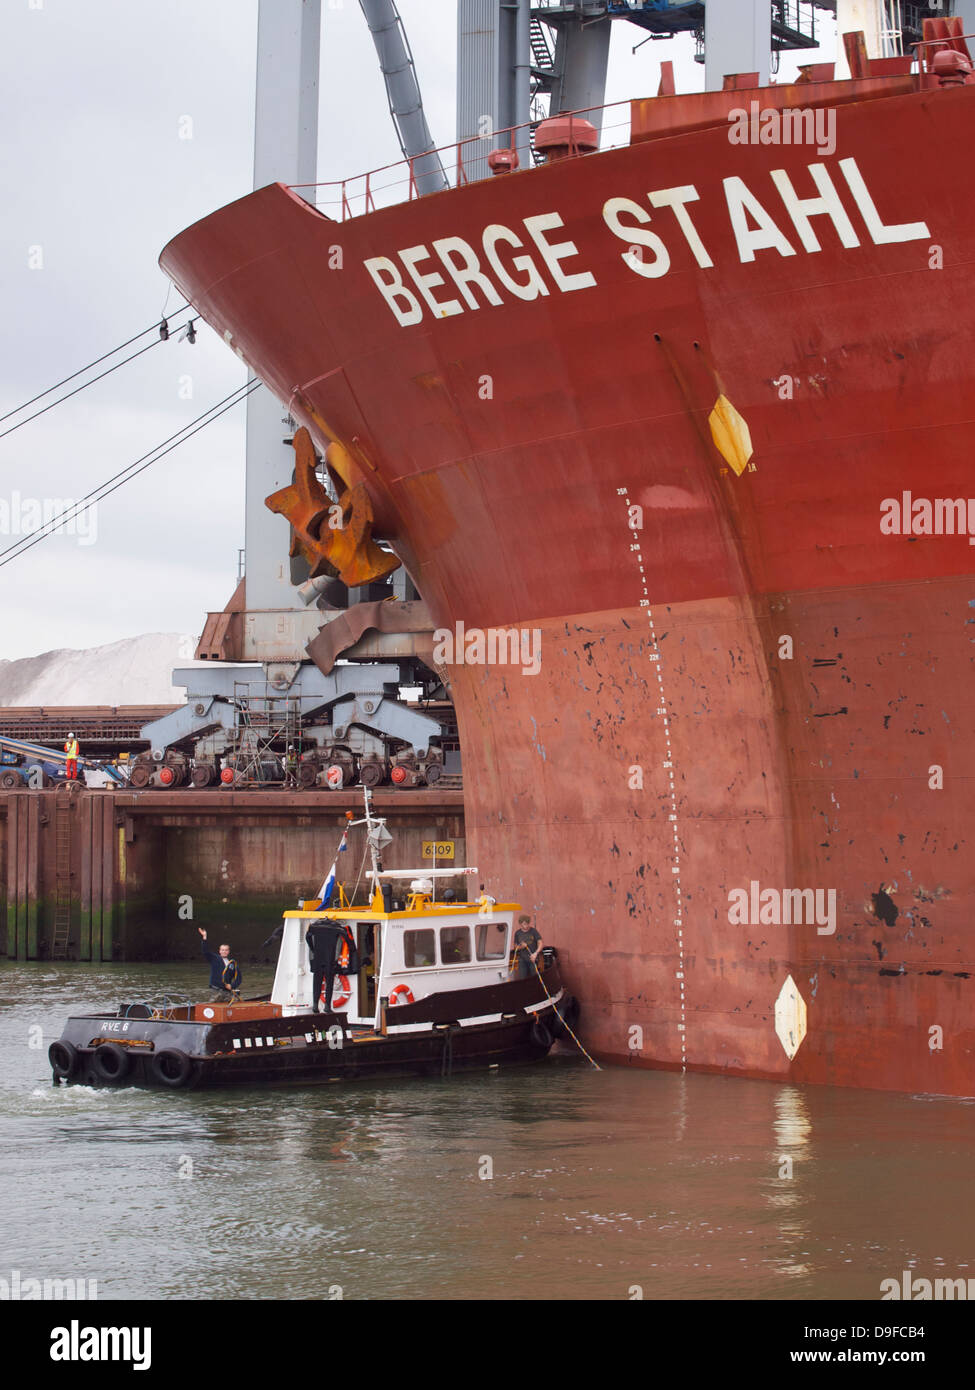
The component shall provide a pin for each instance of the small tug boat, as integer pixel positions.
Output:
(434, 993)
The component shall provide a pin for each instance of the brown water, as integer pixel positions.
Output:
(602, 1182)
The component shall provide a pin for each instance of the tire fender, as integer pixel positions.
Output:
(171, 1067)
(111, 1062)
(63, 1057)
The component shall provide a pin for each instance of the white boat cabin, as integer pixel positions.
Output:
(403, 956)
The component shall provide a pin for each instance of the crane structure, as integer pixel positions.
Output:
(264, 700)
(568, 42)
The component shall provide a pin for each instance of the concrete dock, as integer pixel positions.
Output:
(124, 875)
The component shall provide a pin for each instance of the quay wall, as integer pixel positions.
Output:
(107, 875)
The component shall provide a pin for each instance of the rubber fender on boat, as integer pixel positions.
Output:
(566, 1012)
(171, 1067)
(541, 1037)
(111, 1062)
(63, 1057)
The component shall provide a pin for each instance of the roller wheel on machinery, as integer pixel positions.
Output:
(433, 774)
(372, 774)
(203, 775)
(139, 776)
(307, 774)
(9, 781)
(168, 777)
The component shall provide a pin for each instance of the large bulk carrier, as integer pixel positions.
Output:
(684, 413)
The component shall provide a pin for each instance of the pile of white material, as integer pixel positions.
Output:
(135, 671)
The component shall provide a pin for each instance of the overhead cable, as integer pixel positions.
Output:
(125, 475)
(161, 327)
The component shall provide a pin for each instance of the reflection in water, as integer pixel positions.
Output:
(552, 1181)
(788, 1195)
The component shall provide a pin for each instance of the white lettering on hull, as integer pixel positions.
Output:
(454, 276)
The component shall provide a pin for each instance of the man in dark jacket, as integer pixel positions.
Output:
(225, 975)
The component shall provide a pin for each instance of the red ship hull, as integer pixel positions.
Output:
(756, 685)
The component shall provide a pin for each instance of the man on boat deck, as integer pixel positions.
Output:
(528, 947)
(225, 975)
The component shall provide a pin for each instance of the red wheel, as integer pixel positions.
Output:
(227, 776)
(398, 776)
(166, 776)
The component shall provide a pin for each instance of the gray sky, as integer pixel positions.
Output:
(94, 96)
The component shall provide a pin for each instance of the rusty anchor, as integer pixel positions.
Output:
(333, 538)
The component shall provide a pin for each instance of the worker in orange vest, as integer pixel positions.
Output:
(71, 748)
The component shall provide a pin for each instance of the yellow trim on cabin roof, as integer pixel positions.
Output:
(431, 910)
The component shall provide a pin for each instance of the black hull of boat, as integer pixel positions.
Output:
(185, 1053)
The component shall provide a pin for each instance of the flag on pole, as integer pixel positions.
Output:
(327, 888)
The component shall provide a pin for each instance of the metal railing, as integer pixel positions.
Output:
(464, 161)
(924, 59)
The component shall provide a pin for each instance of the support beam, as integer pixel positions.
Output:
(582, 58)
(493, 56)
(737, 38)
(285, 151)
(858, 17)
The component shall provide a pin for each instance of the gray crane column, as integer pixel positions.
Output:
(493, 61)
(737, 38)
(285, 150)
(582, 58)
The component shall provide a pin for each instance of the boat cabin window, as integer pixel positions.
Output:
(419, 948)
(491, 940)
(455, 945)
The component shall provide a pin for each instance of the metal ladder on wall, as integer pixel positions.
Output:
(263, 727)
(62, 869)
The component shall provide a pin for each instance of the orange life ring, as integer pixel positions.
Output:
(405, 990)
(341, 991)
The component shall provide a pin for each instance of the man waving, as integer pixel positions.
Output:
(225, 977)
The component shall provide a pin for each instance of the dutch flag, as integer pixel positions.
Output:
(325, 892)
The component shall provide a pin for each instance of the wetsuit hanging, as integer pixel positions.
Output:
(333, 952)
